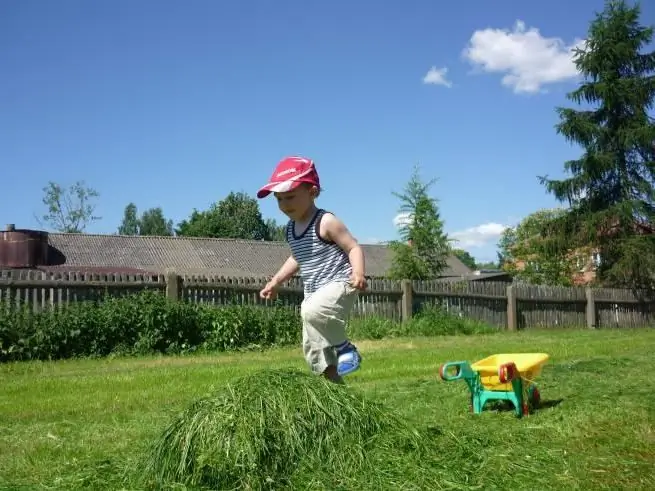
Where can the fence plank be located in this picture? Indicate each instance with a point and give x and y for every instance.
(536, 306)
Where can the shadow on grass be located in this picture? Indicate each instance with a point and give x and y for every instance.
(549, 403)
(507, 406)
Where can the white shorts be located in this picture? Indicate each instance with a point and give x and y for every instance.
(324, 315)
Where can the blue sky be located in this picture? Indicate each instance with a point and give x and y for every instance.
(175, 104)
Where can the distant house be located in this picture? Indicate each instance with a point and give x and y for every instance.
(187, 255)
(585, 260)
(494, 275)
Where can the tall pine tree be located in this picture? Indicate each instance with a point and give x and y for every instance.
(610, 190)
(130, 223)
(425, 248)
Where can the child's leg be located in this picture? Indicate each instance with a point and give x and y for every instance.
(348, 357)
(324, 316)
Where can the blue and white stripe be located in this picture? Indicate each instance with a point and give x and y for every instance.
(320, 261)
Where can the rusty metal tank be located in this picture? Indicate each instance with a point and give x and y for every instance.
(23, 248)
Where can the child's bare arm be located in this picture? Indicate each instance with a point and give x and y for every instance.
(335, 230)
(286, 271)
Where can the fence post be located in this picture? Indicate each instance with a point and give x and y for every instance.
(407, 300)
(511, 309)
(591, 308)
(173, 285)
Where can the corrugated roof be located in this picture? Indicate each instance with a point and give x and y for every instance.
(192, 255)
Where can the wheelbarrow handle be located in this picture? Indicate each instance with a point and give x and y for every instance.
(462, 369)
(507, 372)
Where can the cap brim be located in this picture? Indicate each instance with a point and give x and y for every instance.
(278, 187)
(263, 192)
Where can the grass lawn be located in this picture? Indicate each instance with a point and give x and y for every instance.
(82, 424)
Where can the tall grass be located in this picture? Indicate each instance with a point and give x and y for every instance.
(272, 428)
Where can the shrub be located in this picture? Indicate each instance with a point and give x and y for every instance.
(435, 321)
(147, 322)
(273, 429)
(429, 321)
(372, 328)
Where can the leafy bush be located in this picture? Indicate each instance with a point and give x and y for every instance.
(435, 321)
(147, 322)
(373, 327)
(142, 323)
(429, 321)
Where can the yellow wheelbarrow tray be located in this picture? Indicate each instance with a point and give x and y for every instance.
(504, 376)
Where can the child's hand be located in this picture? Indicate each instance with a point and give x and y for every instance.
(357, 280)
(268, 291)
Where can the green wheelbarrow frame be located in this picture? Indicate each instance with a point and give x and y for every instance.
(524, 395)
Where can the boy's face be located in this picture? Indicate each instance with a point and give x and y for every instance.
(297, 203)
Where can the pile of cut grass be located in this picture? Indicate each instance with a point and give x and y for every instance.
(278, 428)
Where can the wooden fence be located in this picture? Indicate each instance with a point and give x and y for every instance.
(511, 306)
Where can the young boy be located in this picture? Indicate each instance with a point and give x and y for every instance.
(331, 265)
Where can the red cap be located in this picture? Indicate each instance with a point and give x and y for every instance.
(289, 173)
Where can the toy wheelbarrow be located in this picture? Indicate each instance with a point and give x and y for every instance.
(505, 377)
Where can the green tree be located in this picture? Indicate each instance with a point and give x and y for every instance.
(487, 265)
(70, 210)
(610, 189)
(525, 251)
(425, 247)
(505, 246)
(465, 257)
(130, 223)
(153, 222)
(237, 217)
(275, 231)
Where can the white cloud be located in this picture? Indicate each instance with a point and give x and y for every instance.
(437, 76)
(528, 60)
(478, 236)
(402, 219)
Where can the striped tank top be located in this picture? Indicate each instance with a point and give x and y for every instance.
(320, 261)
